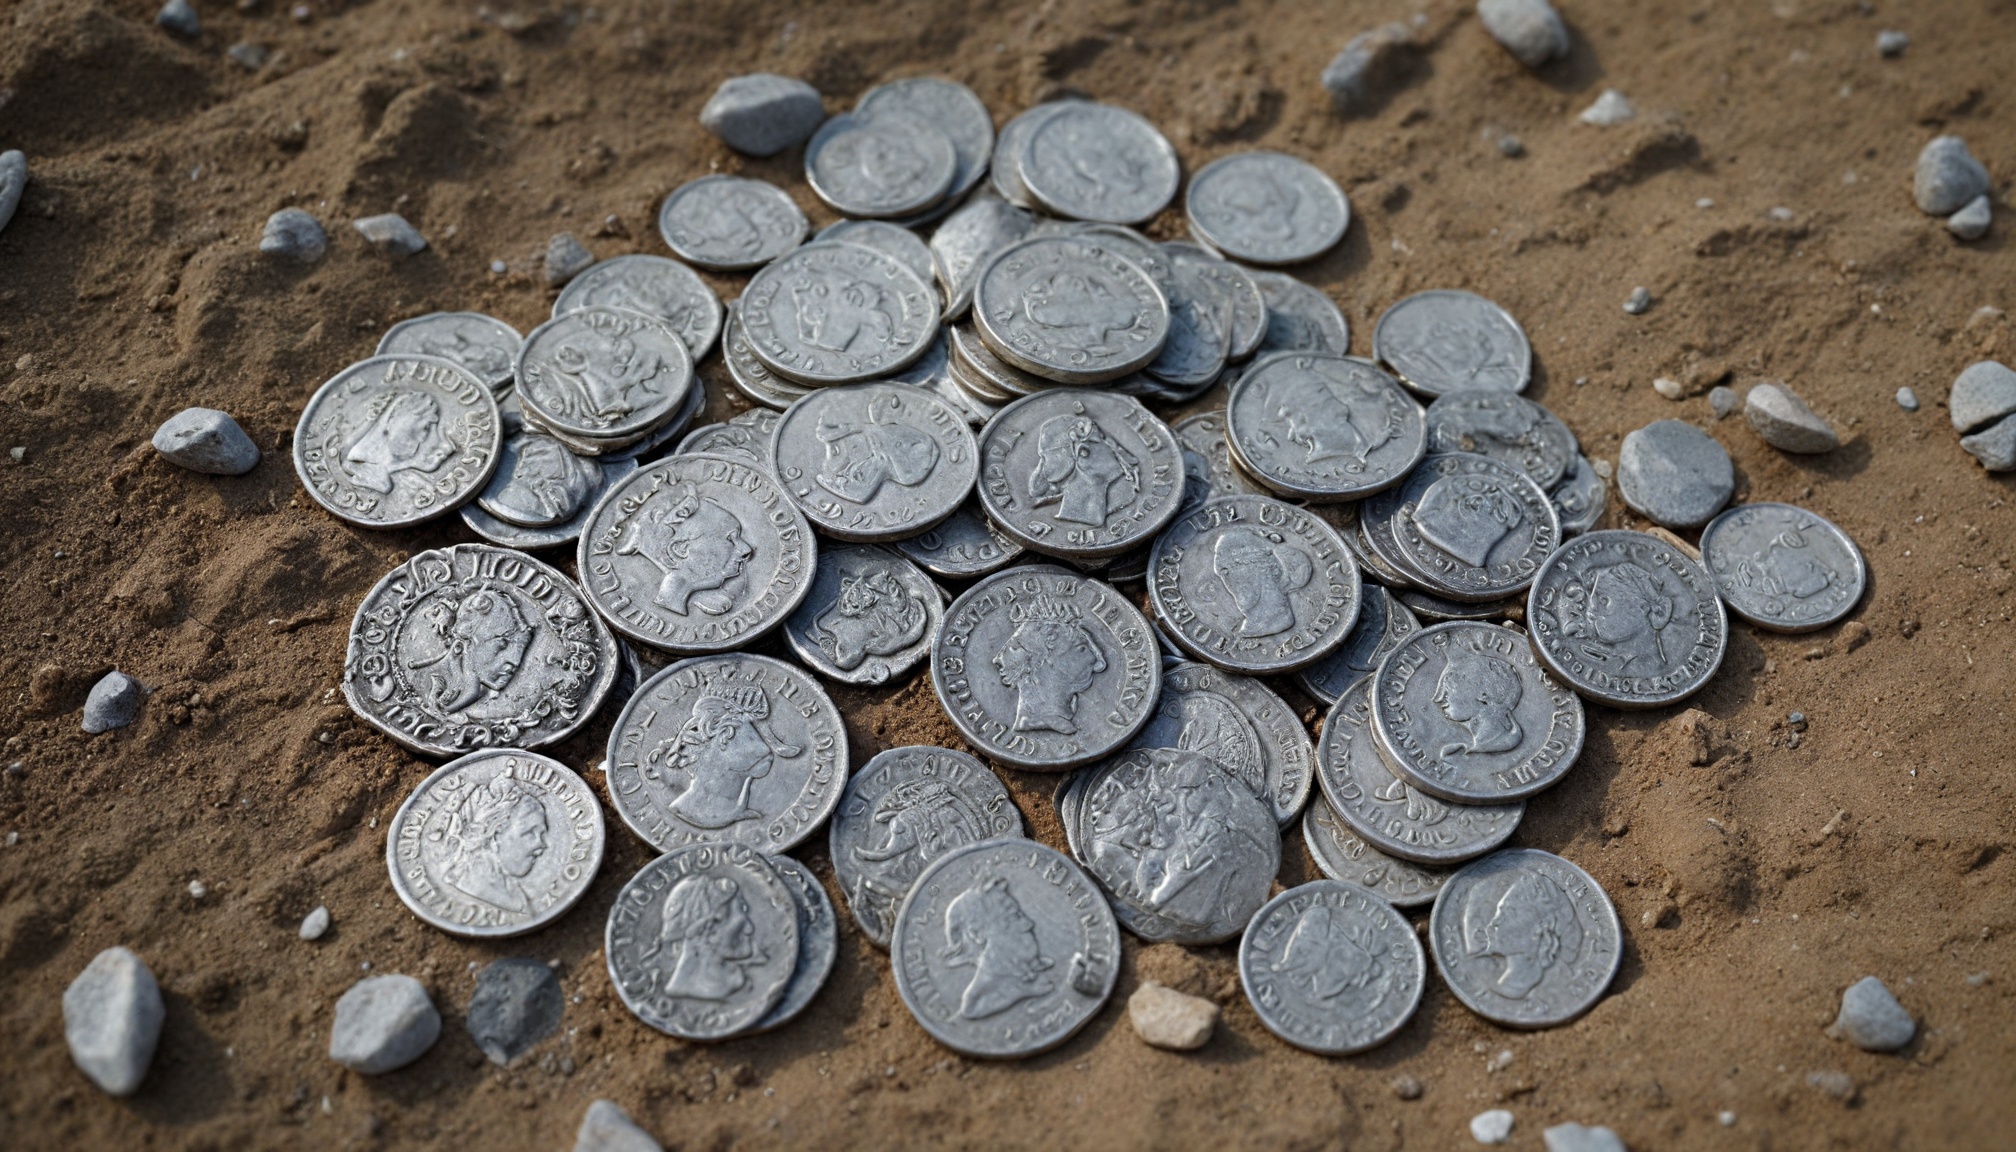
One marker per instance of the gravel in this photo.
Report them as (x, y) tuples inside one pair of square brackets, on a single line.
[(762, 114), (112, 1016), (13, 178), (517, 1003), (179, 17), (1948, 176), (1907, 399), (248, 56), (1406, 1087), (1783, 420), (1891, 42), (383, 1023), (113, 703), (607, 1128), (1971, 222), (1493, 1127), (1674, 474), (1166, 1018), (1984, 391), (1723, 400), (1872, 1019), (1529, 29), (315, 924), (566, 258), (1832, 1083), (1994, 446), (292, 234), (1639, 301), (1609, 110), (206, 440), (1576, 1138), (1370, 63), (391, 234)]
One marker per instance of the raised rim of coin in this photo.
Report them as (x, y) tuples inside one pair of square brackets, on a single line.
[(746, 435), (1249, 308), (887, 237), (937, 166), (1331, 208), (1300, 317), (788, 225), (864, 624), (963, 546), (577, 479), (1080, 462), (1572, 643), (1433, 375), (1280, 761), (1005, 173), (1293, 425), (1383, 621), (874, 462), (1544, 449), (1340, 853), (1291, 914), (1157, 177), (1545, 947), (1750, 592), (697, 317), (355, 467), (1132, 304), (1448, 540), (911, 327), (602, 419), (508, 535), (751, 376), (508, 339), (818, 943), (952, 108)]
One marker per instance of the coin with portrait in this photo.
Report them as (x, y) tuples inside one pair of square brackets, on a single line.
[(730, 223), (1071, 309), (608, 472), (870, 617), (873, 462), (1783, 568), (835, 313), (1383, 621), (960, 547), (1580, 497), (1342, 854), (1248, 307), (538, 482), (968, 238), (1079, 474), (744, 437), (654, 286), (1324, 427), (1332, 968), (1089, 161), (395, 441), (1240, 723), (483, 344), (1525, 938), (948, 106), (882, 166), (751, 376), (1506, 427), (1200, 316), (1464, 526), (818, 944), (603, 377), (1450, 341), (1627, 619), (1266, 208)]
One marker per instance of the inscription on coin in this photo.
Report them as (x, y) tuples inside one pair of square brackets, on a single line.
[(604, 375), (654, 286), (395, 441), (963, 546), (1782, 567), (1506, 427), (1464, 526), (870, 617), (1240, 723), (1525, 938), (483, 344), (1079, 474), (1580, 497), (1448, 341), (1267, 208), (875, 461), (1097, 162), (1382, 623), (1070, 309), (1628, 619), (1332, 968), (833, 313), (1341, 854), (730, 223), (1324, 427)]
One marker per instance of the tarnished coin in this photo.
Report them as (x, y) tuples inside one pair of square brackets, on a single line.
[(1187, 852), (880, 167), (902, 810), (496, 843), (1394, 816), (818, 943), (1266, 208), (960, 547), (1070, 309), (670, 432), (1332, 968), (874, 461), (1006, 172), (730, 223), (751, 376), (1463, 712), (970, 237), (894, 241), (1092, 161), (1341, 854), (1506, 427), (1253, 585), (696, 554), (1627, 619), (1004, 949), (483, 344), (395, 441), (745, 437), (1249, 308), (1200, 317), (870, 617), (655, 286), (1299, 318), (1208, 467), (703, 941), (1239, 722), (1525, 939), (1447, 341), (603, 376), (1045, 669), (472, 647), (1464, 526), (733, 749), (538, 482), (1079, 474), (947, 105), (500, 532), (835, 313), (1382, 623), (1783, 568), (1324, 427), (1580, 497)]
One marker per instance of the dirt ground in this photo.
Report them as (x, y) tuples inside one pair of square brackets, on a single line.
[(1755, 879)]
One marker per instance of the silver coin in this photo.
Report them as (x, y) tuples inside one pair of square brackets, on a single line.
[(878, 167), (1341, 854), (733, 749), (395, 441), (1324, 427), (837, 313), (655, 286), (1253, 585), (1200, 310), (1506, 427), (1267, 208), (1070, 309), (1299, 318), (818, 943), (1004, 949), (1090, 161), (1248, 307), (991, 377), (970, 237), (696, 554), (1350, 526), (745, 437), (471, 647), (870, 617), (874, 462), (1463, 712), (1006, 173), (1448, 341), (604, 376), (751, 376), (1332, 968), (931, 372), (947, 105), (730, 223), (894, 241), (508, 535), (1207, 461), (1783, 568), (483, 344), (1186, 851), (902, 810), (1525, 939), (703, 942), (1436, 610), (496, 843), (1240, 723), (651, 446), (1079, 474), (1044, 668), (1627, 619), (1580, 498), (1383, 621), (960, 547), (1397, 818), (1464, 526), (538, 482)]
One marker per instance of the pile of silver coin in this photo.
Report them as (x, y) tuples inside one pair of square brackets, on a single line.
[(953, 462)]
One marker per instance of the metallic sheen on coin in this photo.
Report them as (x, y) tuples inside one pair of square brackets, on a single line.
[(874, 462), (961, 547), (537, 473), (1239, 722), (745, 437), (1464, 526), (892, 240), (483, 344), (1525, 939), (870, 617), (1209, 470), (395, 441), (730, 223), (751, 376), (947, 105), (818, 943), (835, 313), (1332, 968), (1072, 309), (1267, 208), (538, 482), (1079, 474), (1090, 161), (878, 167), (1506, 427), (1324, 427), (607, 376), (1341, 854), (655, 286), (1448, 341), (1782, 567), (1299, 318), (1580, 497), (1627, 619), (1382, 623)]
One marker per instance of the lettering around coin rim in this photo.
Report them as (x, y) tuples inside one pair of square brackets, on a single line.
[(696, 312), (855, 285), (1342, 854), (1592, 638), (1058, 497), (1278, 761), (1765, 585), (1070, 309), (496, 341), (1297, 962), (869, 618), (1324, 427), (1524, 928), (1467, 343), (1464, 526), (424, 443), (1383, 621)]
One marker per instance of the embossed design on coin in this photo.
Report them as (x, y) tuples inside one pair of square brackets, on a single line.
[(875, 461), (496, 843), (1382, 623), (1628, 619), (1070, 309), (538, 482), (1299, 318), (1506, 427), (1580, 497), (1006, 173), (1341, 854), (870, 617), (1525, 938), (961, 547), (604, 375), (1449, 341), (730, 223), (1324, 427), (947, 105), (968, 239), (473, 647), (1083, 475), (834, 313), (1464, 526), (1208, 467), (1332, 968), (888, 165), (818, 942), (1240, 723), (1782, 567), (508, 535), (1249, 308), (395, 441), (745, 437), (655, 286), (1097, 162), (483, 344), (751, 376), (1200, 317), (892, 240), (1267, 208)]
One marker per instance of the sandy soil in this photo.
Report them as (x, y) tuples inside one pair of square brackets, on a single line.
[(1756, 880)]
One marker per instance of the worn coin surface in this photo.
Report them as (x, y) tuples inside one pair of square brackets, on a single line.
[(1254, 585), (655, 286), (483, 344), (538, 482), (894, 241), (1464, 526), (1266, 208), (1004, 948), (1437, 610), (947, 105), (603, 377), (960, 547), (1098, 162), (1332, 967), (1044, 668), (1249, 308), (1324, 427), (986, 374), (1209, 470), (472, 647), (1071, 309), (968, 238), (1580, 497), (730, 223), (818, 943), (870, 617), (1299, 318), (879, 167), (1506, 427), (703, 941), (1240, 723), (1382, 623), (834, 313), (1525, 939), (1627, 619), (509, 535), (902, 810), (1005, 176), (395, 441), (733, 749), (1079, 474), (749, 375), (1200, 318), (696, 554), (745, 437), (497, 843), (874, 461), (1449, 341), (1341, 854), (1782, 567)]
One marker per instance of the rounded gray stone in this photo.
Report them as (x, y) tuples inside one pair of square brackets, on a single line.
[(762, 114), (113, 703), (1370, 64), (1983, 393), (1948, 176), (13, 178), (1907, 399), (206, 440), (112, 1016), (1783, 420), (1994, 446), (1529, 29), (1872, 1019), (1971, 222), (383, 1023), (391, 234), (290, 234), (316, 924), (517, 1003), (1674, 474), (1577, 1138), (1891, 42), (607, 1128), (179, 17), (566, 258)]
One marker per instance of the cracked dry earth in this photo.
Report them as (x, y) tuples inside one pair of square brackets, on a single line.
[(1756, 878)]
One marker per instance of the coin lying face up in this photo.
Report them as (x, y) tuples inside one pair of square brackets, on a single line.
[(1506, 427), (1267, 208), (1324, 427), (1464, 526), (1300, 318), (1627, 619), (541, 477), (730, 223), (602, 379), (1090, 161), (1382, 623), (395, 441), (1239, 722), (483, 344), (1332, 968), (871, 616), (1782, 567), (1447, 341), (880, 166), (1525, 939), (1080, 474), (818, 944), (1070, 309), (655, 286), (962, 546), (948, 106), (875, 462), (834, 313)]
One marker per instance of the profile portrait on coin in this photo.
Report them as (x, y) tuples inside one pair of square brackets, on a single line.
[(1466, 516), (1464, 353), (987, 930), (722, 749), (697, 544), (1328, 426), (494, 838), (1265, 203), (863, 456), (402, 433), (1258, 570), (875, 615), (1213, 726), (599, 374), (487, 359), (707, 939), (1050, 658), (1618, 614), (547, 482), (834, 311), (1480, 693), (483, 637), (1326, 960), (1529, 928), (1783, 567), (1082, 470)]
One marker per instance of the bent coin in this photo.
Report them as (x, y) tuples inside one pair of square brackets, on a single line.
[(395, 441), (870, 616), (1782, 567), (1525, 939), (1627, 619), (1332, 968)]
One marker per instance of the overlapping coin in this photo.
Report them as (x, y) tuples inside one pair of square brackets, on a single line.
[(1464, 526), (1240, 723), (1525, 938), (964, 545), (1342, 854), (1506, 427), (870, 617), (836, 313), (600, 379), (1448, 341), (730, 223), (874, 462), (1330, 967), (1383, 622), (1627, 619), (745, 437), (395, 441), (1070, 309), (540, 478), (1079, 474), (890, 165), (1324, 427), (654, 286), (483, 344), (1089, 161), (1266, 208)]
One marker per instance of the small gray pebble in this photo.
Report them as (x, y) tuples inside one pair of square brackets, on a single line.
[(1872, 1019), (1674, 474), (1576, 1138), (250, 57), (112, 1016), (1835, 1084), (517, 1003), (1368, 65), (566, 258), (1984, 391), (1797, 720), (206, 440), (391, 234), (1784, 421), (13, 178), (1891, 42), (1640, 300), (315, 924), (1948, 176), (1491, 1127), (1907, 399), (1994, 446), (1723, 400), (113, 703), (1609, 110), (1406, 1087), (762, 114), (607, 1128), (294, 235), (1971, 222), (1511, 146), (179, 17), (383, 1023), (1529, 29), (1668, 387)]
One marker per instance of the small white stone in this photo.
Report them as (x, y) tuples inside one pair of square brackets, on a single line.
[(113, 702), (1668, 387), (1891, 42), (197, 890), (1832, 1083), (566, 258), (1609, 110), (1872, 1019), (391, 234), (1784, 421), (1493, 1127), (292, 234), (762, 114), (1782, 215), (1971, 222), (1639, 301), (383, 1023), (179, 17), (1723, 400), (315, 923), (1529, 29), (1907, 399), (1368, 63), (1948, 176), (112, 1015), (1704, 202), (248, 56), (1166, 1018), (206, 440), (1576, 1138), (1984, 391), (1726, 1119), (607, 1128)]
